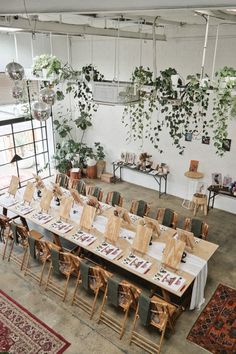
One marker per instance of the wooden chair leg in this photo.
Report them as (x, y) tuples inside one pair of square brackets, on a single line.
[(133, 326), (94, 303), (23, 259), (76, 287), (27, 263), (65, 291), (124, 322), (42, 271), (103, 303), (5, 248), (48, 277), (11, 249)]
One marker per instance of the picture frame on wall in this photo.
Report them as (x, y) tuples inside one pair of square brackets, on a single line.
[(216, 179), (226, 144), (188, 136), (206, 140)]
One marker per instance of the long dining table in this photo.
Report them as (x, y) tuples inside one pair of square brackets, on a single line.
[(192, 273)]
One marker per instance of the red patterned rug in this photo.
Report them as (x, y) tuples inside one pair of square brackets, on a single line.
[(23, 333), (215, 328)]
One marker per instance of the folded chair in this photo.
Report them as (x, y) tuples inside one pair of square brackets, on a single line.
[(120, 295), (61, 264), (63, 180), (95, 192), (140, 208), (197, 227), (79, 185), (18, 236), (92, 279), (150, 312), (167, 217), (38, 250), (114, 198)]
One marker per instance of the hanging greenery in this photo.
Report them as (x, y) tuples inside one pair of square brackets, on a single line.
[(224, 106)]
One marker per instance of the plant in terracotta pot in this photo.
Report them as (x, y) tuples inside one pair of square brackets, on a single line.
[(100, 156)]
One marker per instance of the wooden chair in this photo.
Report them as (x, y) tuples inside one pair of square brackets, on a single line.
[(199, 200), (140, 208), (37, 250), (114, 198), (167, 217), (61, 263), (4, 227), (79, 185), (119, 294), (153, 313), (18, 236), (91, 278), (63, 180), (95, 192), (197, 227)]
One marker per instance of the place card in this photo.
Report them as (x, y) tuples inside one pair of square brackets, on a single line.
[(83, 238), (42, 218), (137, 263), (108, 250), (62, 226), (169, 279), (23, 208), (29, 192), (13, 185), (46, 199)]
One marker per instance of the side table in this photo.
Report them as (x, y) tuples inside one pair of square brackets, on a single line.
[(192, 184)]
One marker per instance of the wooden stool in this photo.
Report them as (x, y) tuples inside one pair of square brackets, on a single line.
[(199, 200)]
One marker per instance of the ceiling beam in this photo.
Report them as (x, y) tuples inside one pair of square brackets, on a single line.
[(92, 6), (73, 30)]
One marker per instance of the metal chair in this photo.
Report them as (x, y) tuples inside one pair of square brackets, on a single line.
[(62, 180), (95, 192), (140, 208), (150, 312), (61, 264), (91, 278), (167, 217), (119, 294), (114, 198), (197, 227)]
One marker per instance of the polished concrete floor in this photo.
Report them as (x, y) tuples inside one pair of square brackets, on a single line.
[(87, 336)]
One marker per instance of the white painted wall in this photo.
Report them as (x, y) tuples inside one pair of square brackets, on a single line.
[(182, 50)]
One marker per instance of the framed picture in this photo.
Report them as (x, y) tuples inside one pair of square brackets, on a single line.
[(188, 136), (193, 165), (226, 144), (227, 181), (216, 179), (206, 140)]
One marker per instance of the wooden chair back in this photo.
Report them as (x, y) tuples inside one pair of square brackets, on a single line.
[(197, 227), (62, 180), (114, 198), (4, 225), (140, 208), (96, 192), (167, 217), (79, 185)]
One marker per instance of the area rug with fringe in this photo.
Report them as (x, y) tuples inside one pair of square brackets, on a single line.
[(23, 333), (215, 328)]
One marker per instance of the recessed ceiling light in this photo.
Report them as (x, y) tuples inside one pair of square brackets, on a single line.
[(9, 29)]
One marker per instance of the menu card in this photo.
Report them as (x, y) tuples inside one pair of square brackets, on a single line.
[(108, 250), (23, 208), (137, 263), (42, 218), (169, 279), (83, 238), (8, 200), (62, 226)]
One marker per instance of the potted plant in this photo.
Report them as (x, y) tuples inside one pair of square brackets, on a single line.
[(100, 156)]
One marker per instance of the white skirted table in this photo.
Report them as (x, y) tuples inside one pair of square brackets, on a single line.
[(192, 185)]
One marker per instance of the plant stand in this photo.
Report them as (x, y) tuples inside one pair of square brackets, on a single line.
[(192, 185)]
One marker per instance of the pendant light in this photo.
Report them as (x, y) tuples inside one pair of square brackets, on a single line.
[(40, 111), (48, 95)]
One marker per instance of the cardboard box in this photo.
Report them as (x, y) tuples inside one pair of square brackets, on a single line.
[(107, 177)]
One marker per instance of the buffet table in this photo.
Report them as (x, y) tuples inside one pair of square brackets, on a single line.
[(194, 271)]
